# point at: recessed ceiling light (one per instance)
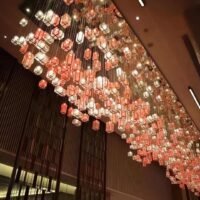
(137, 18)
(5, 36)
(141, 2)
(28, 10)
(194, 97)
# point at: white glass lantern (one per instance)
(130, 154)
(15, 40)
(23, 22)
(55, 81)
(51, 75)
(48, 17)
(80, 37)
(76, 122)
(38, 70)
(41, 58)
(104, 28)
(31, 38)
(21, 41)
(39, 15)
(60, 91)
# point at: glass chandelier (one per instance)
(88, 52)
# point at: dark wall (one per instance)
(126, 179)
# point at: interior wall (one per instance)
(129, 177)
(126, 179)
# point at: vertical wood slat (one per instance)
(14, 103)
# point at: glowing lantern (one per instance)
(31, 38)
(15, 40)
(85, 117)
(41, 58)
(38, 70)
(24, 48)
(47, 38)
(60, 91)
(68, 2)
(104, 28)
(76, 122)
(28, 60)
(42, 46)
(48, 17)
(42, 84)
(39, 34)
(65, 21)
(95, 125)
(67, 45)
(87, 54)
(63, 108)
(50, 75)
(23, 22)
(109, 127)
(39, 15)
(80, 37)
(57, 34)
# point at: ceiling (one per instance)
(161, 27)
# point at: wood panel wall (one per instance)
(126, 179)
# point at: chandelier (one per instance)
(88, 52)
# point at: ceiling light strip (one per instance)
(194, 97)
(141, 3)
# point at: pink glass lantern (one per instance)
(28, 60)
(95, 125)
(39, 34)
(65, 21)
(67, 45)
(87, 54)
(68, 2)
(42, 84)
(63, 108)
(109, 127)
(70, 112)
(85, 117)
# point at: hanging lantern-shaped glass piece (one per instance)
(15, 40)
(76, 122)
(104, 28)
(63, 108)
(87, 54)
(95, 125)
(42, 84)
(23, 22)
(109, 127)
(68, 2)
(85, 117)
(50, 75)
(38, 70)
(80, 37)
(28, 60)
(39, 15)
(65, 21)
(60, 91)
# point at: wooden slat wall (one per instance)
(130, 177)
(14, 102)
(123, 174)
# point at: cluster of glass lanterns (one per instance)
(92, 58)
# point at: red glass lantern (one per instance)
(42, 84)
